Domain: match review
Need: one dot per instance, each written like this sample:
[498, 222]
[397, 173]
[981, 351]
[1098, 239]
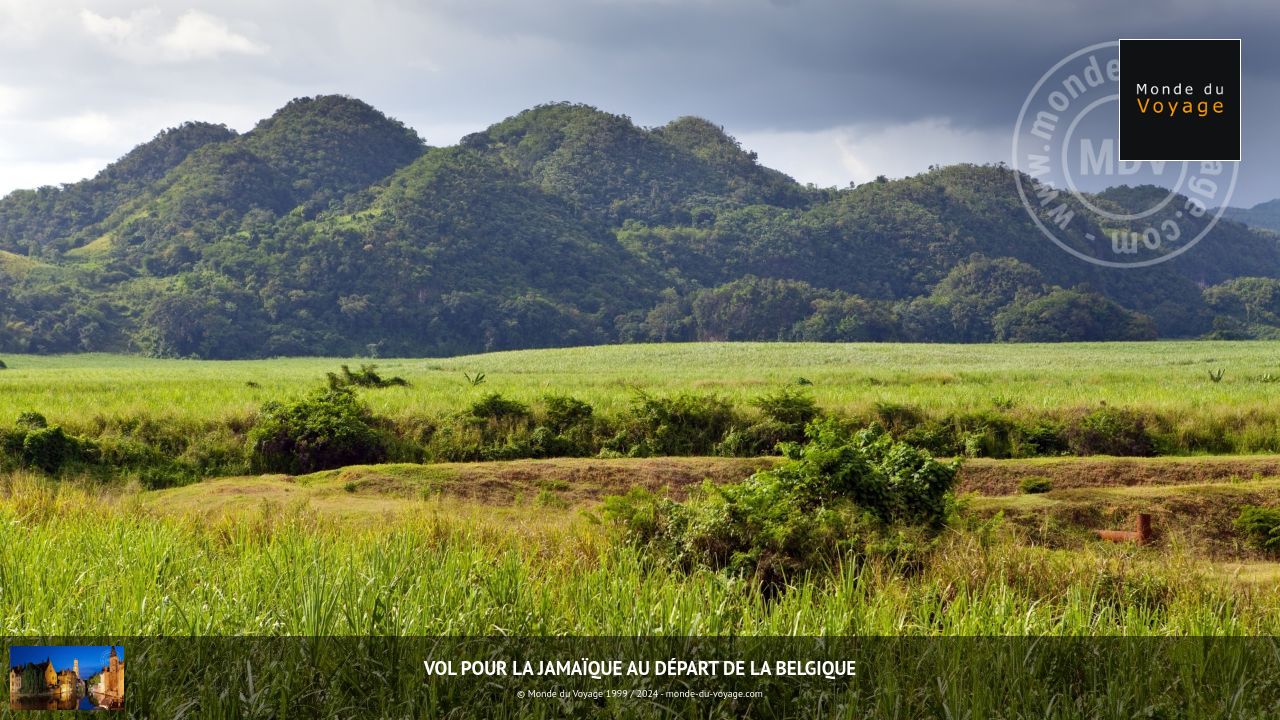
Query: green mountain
[331, 229]
[1263, 215]
[31, 220]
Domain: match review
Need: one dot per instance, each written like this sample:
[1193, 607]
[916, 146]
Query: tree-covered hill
[331, 229]
[31, 220]
[1263, 215]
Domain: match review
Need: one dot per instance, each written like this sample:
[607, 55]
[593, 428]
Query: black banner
[867, 677]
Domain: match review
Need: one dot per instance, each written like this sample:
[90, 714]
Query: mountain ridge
[330, 228]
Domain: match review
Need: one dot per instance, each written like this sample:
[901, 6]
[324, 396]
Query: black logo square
[1179, 100]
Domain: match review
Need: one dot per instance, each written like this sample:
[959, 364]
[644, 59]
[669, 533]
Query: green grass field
[518, 547]
[330, 562]
[1171, 377]
[523, 548]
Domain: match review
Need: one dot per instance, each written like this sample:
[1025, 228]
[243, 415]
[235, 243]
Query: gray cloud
[839, 82]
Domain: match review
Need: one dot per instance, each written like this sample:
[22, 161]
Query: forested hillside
[331, 229]
[1263, 215]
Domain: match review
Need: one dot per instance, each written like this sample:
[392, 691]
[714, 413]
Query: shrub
[785, 415]
[366, 376]
[11, 446]
[788, 406]
[898, 417]
[565, 413]
[49, 448]
[549, 499]
[328, 429]
[1043, 436]
[760, 438]
[32, 420]
[837, 493]
[1260, 527]
[3, 366]
[495, 407]
[544, 442]
[1035, 484]
[984, 434]
[684, 424]
[1109, 431]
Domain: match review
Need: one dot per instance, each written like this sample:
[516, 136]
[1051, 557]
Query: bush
[565, 413]
[838, 493]
[1035, 484]
[32, 420]
[786, 413]
[366, 377]
[3, 366]
[1260, 527]
[789, 407]
[495, 407]
[50, 448]
[1109, 431]
[33, 443]
[898, 417]
[328, 429]
[1043, 436]
[684, 424]
[761, 438]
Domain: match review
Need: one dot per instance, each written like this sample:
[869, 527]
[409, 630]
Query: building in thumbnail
[32, 679]
[110, 687]
[69, 680]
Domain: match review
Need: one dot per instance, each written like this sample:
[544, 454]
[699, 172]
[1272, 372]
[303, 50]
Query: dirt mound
[1001, 477]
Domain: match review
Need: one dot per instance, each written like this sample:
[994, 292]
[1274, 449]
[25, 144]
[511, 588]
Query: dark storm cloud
[89, 79]
[811, 65]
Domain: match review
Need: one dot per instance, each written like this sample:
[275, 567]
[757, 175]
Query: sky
[829, 91]
[92, 657]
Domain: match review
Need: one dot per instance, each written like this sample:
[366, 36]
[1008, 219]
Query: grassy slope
[17, 265]
[358, 490]
[1193, 502]
[1167, 376]
[307, 556]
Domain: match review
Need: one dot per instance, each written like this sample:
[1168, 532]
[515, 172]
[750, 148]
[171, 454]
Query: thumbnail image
[66, 677]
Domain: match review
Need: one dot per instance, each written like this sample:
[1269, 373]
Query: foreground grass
[77, 562]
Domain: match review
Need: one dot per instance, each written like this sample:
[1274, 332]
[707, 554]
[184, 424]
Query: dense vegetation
[332, 229]
[839, 494]
[1263, 215]
[166, 422]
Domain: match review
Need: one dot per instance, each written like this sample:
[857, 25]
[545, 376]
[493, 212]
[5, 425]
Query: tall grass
[75, 562]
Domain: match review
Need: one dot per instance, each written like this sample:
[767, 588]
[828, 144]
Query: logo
[1083, 197]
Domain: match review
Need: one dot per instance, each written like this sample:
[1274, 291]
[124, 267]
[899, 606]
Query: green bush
[495, 407]
[684, 424]
[1035, 484]
[328, 429]
[565, 413]
[1042, 436]
[840, 492]
[789, 407]
[1109, 431]
[49, 448]
[761, 438]
[32, 420]
[1260, 527]
[898, 417]
[785, 415]
[366, 377]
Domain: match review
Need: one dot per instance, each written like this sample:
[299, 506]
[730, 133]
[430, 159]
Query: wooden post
[1144, 528]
